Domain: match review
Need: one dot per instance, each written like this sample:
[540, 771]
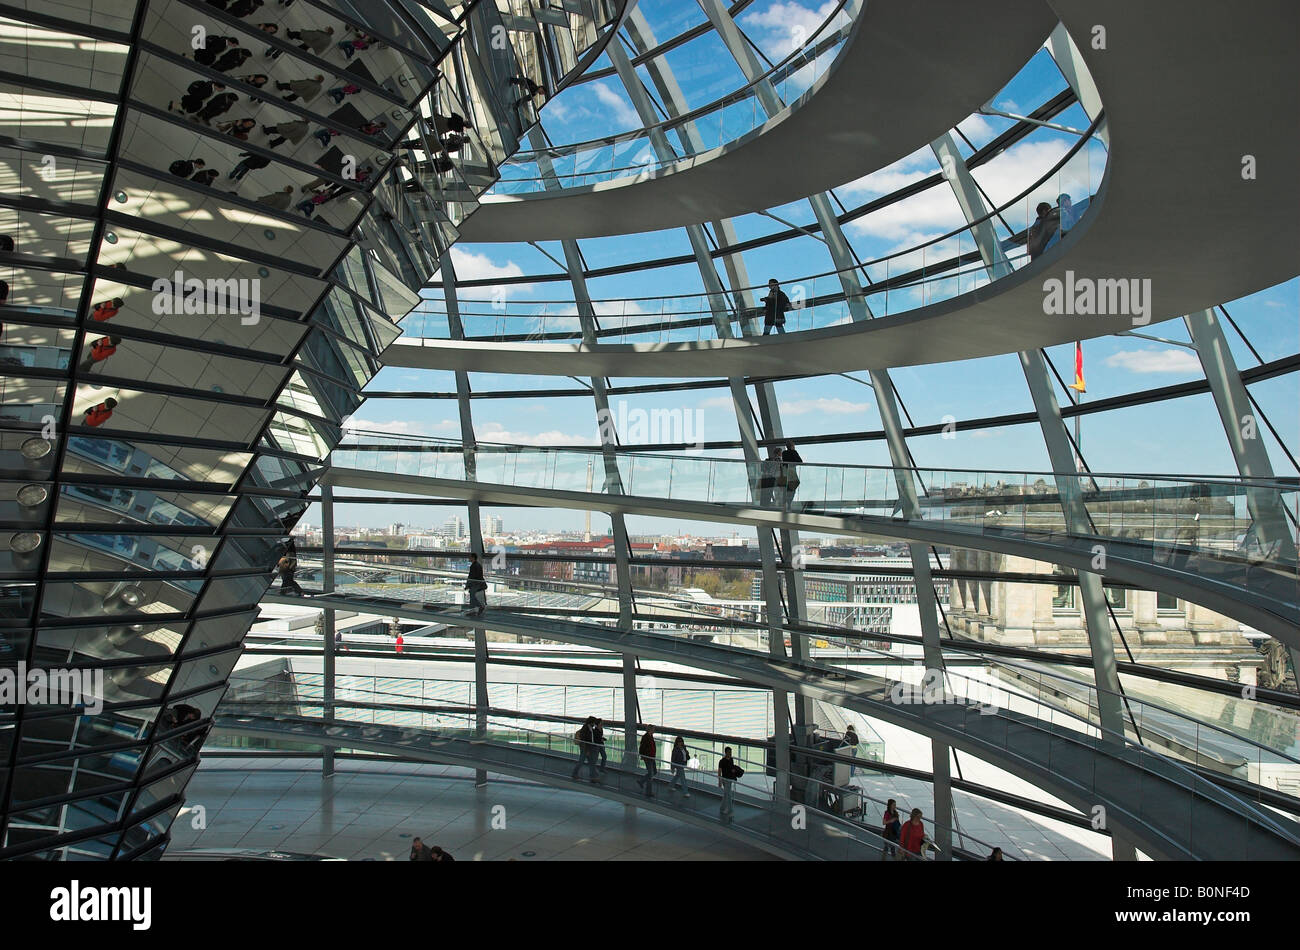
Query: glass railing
[1048, 737]
[940, 269]
[1203, 526]
[1222, 749]
[1236, 746]
[634, 155]
[755, 792]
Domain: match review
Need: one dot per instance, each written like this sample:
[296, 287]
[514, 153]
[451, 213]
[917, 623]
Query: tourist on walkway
[775, 306]
[287, 565]
[911, 839]
[598, 737]
[892, 824]
[790, 462]
[586, 749]
[728, 773]
[681, 755]
[476, 586]
[649, 750]
[850, 742]
[771, 480]
[1042, 230]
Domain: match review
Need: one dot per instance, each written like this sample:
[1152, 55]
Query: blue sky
[1173, 436]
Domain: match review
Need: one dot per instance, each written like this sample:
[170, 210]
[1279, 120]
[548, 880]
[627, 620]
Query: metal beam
[1059, 450]
[327, 585]
[1245, 439]
[470, 449]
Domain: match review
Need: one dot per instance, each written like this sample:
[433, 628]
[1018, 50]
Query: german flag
[1078, 383]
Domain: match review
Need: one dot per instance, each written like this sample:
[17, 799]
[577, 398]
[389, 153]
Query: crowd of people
[206, 100]
[904, 839]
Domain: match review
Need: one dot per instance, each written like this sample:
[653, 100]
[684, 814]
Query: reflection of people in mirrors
[196, 94]
[279, 200]
[214, 47]
[100, 350]
[100, 413]
[106, 309]
[231, 59]
[294, 131]
[237, 128]
[185, 167]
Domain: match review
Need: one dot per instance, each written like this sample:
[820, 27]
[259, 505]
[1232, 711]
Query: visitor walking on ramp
[728, 773]
[775, 306]
[476, 586]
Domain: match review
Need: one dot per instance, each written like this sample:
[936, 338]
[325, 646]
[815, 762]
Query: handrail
[824, 634]
[859, 644]
[403, 442]
[510, 717]
[1191, 782]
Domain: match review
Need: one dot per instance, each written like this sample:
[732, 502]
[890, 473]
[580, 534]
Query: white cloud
[935, 211]
[786, 26]
[823, 406]
[470, 266]
[715, 402]
[496, 432]
[1152, 360]
[443, 429]
[620, 110]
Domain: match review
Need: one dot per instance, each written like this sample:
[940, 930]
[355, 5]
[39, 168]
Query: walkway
[1168, 811]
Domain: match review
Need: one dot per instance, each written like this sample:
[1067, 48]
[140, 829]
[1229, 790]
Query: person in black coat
[476, 586]
[775, 306]
[217, 105]
[198, 93]
[214, 47]
[185, 167]
[230, 59]
[249, 162]
[790, 462]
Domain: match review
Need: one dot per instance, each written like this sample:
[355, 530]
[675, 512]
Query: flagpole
[1078, 442]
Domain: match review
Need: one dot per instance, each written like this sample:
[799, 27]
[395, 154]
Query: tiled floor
[370, 811]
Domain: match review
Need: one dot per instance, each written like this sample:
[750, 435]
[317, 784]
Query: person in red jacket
[106, 309]
[100, 350]
[911, 837]
[99, 414]
[397, 644]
